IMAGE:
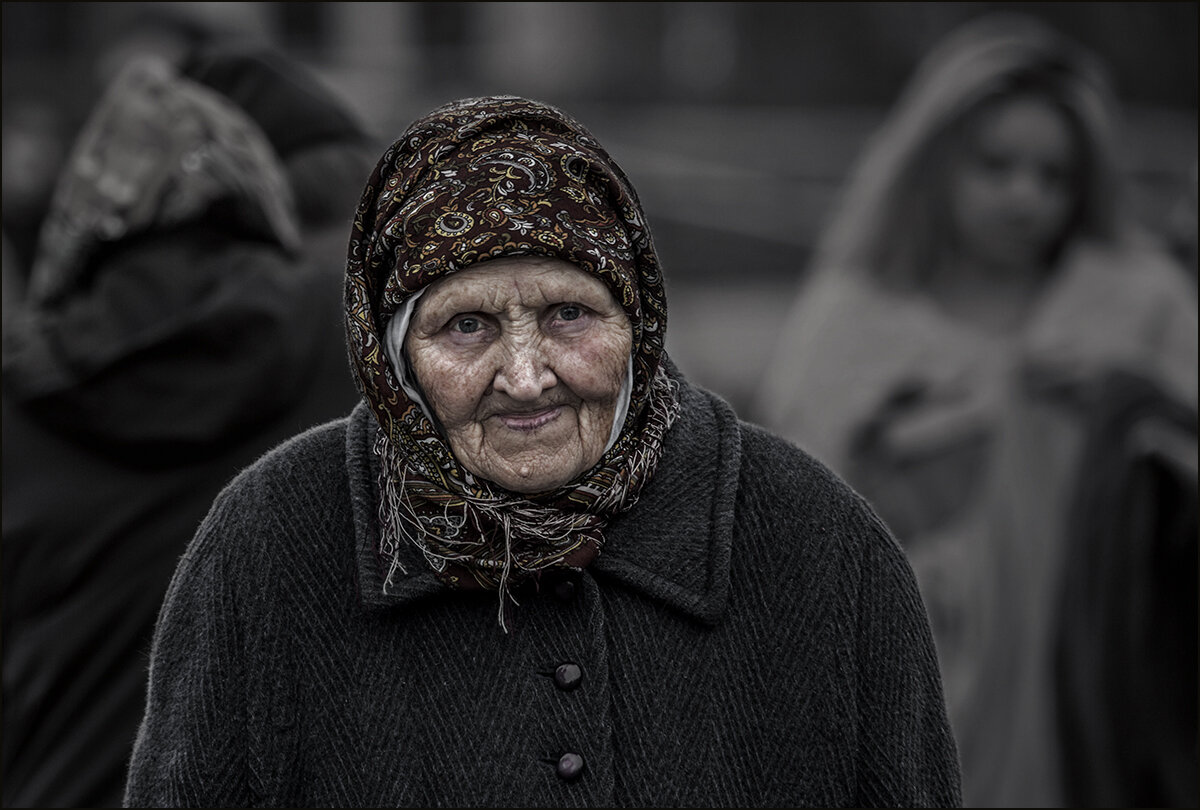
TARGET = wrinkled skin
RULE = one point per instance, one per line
(522, 360)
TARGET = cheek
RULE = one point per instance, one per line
(975, 204)
(971, 195)
(452, 388)
(595, 369)
(1057, 205)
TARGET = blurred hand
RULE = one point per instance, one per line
(1100, 317)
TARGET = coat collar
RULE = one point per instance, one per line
(673, 545)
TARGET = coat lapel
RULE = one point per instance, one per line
(674, 545)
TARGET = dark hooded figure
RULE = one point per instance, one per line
(179, 322)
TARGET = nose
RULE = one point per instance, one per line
(1024, 186)
(1030, 187)
(524, 373)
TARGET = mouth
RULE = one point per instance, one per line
(530, 420)
(1023, 229)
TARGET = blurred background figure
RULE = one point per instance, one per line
(40, 123)
(990, 350)
(36, 137)
(1183, 224)
(180, 316)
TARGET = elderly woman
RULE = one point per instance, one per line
(535, 566)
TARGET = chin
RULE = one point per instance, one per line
(544, 481)
(550, 465)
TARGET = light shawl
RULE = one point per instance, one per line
(475, 180)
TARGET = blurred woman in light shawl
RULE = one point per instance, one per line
(970, 303)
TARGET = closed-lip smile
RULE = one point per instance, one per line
(529, 420)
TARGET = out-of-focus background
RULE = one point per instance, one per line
(736, 121)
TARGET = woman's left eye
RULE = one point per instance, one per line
(570, 312)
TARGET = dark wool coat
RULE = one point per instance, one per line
(751, 635)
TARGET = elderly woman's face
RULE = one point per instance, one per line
(522, 360)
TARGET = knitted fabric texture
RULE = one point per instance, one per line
(750, 637)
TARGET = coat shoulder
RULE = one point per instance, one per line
(788, 497)
(773, 466)
(299, 488)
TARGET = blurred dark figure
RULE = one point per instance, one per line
(36, 137)
(169, 32)
(978, 302)
(39, 128)
(182, 316)
(1183, 225)
(1125, 644)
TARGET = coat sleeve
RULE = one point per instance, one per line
(191, 748)
(907, 752)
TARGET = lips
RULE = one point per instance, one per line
(529, 420)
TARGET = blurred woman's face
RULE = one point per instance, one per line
(1012, 188)
(522, 360)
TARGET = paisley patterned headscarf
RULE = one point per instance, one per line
(475, 180)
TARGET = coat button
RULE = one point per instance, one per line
(565, 589)
(569, 767)
(568, 676)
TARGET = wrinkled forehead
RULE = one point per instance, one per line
(525, 282)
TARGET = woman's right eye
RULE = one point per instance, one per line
(466, 325)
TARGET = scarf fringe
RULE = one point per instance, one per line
(482, 539)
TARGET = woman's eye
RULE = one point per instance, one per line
(466, 325)
(570, 312)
